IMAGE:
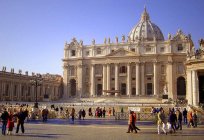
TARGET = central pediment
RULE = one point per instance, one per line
(122, 53)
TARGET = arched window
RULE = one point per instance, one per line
(181, 86)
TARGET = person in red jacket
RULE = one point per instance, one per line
(10, 124)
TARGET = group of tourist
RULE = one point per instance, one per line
(8, 117)
(173, 121)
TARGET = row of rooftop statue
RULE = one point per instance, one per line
(196, 52)
(123, 39)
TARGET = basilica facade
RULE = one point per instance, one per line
(143, 64)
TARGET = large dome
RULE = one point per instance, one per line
(146, 30)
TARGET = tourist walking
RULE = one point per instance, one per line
(4, 119)
(134, 119)
(10, 124)
(195, 118)
(113, 111)
(73, 114)
(104, 112)
(83, 114)
(185, 116)
(130, 122)
(80, 114)
(161, 123)
(173, 120)
(45, 113)
(179, 119)
(20, 120)
(190, 119)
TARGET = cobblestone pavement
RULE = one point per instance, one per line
(99, 129)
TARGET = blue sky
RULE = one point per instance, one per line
(33, 32)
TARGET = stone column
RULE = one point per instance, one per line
(108, 77)
(137, 68)
(92, 80)
(104, 78)
(155, 79)
(65, 81)
(170, 80)
(116, 77)
(189, 88)
(128, 79)
(79, 80)
(195, 87)
(142, 79)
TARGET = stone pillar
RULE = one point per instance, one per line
(189, 96)
(65, 81)
(128, 79)
(142, 79)
(93, 80)
(137, 68)
(104, 78)
(155, 79)
(108, 77)
(116, 77)
(170, 80)
(79, 80)
(195, 87)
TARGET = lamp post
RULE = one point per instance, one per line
(36, 81)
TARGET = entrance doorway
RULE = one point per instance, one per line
(73, 87)
(99, 89)
(133, 91)
(181, 87)
(201, 89)
(149, 88)
(123, 88)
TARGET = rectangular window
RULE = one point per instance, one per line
(148, 49)
(73, 53)
(112, 50)
(163, 69)
(180, 47)
(180, 69)
(7, 89)
(98, 51)
(72, 71)
(87, 53)
(162, 49)
(133, 50)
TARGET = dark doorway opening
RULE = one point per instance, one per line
(123, 88)
(149, 88)
(99, 89)
(181, 87)
(201, 89)
(73, 87)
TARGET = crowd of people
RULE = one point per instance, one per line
(8, 117)
(175, 119)
(167, 121)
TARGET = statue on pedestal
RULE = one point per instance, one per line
(123, 38)
(109, 40)
(93, 42)
(165, 92)
(105, 40)
(116, 39)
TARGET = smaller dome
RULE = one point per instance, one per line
(146, 30)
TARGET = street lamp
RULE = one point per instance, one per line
(36, 81)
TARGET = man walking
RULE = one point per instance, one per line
(161, 123)
(4, 118)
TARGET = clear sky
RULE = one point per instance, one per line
(33, 32)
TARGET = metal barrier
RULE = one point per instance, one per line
(140, 116)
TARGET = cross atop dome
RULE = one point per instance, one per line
(145, 15)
